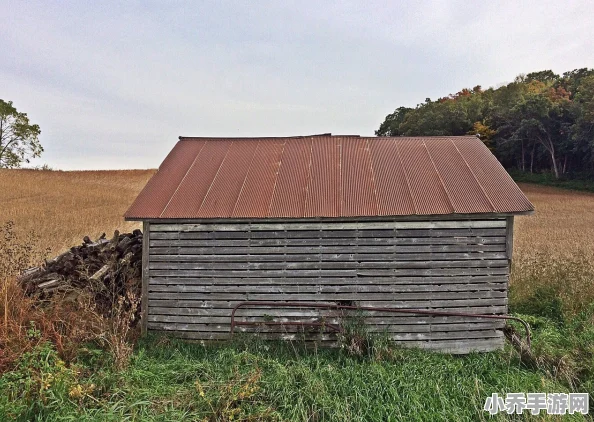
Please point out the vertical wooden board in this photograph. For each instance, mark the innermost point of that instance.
(509, 238)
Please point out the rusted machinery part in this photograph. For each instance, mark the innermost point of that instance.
(279, 305)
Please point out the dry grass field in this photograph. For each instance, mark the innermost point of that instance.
(562, 226)
(62, 207)
(65, 361)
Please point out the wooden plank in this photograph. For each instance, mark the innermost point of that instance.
(356, 262)
(399, 252)
(335, 234)
(495, 243)
(213, 307)
(328, 340)
(407, 323)
(323, 297)
(331, 241)
(145, 278)
(222, 316)
(338, 257)
(337, 281)
(433, 304)
(438, 224)
(344, 265)
(510, 238)
(184, 301)
(321, 289)
(395, 332)
(330, 273)
(352, 247)
(188, 249)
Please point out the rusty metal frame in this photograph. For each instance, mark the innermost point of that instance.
(280, 305)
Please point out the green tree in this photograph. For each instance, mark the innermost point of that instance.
(542, 76)
(540, 122)
(391, 125)
(19, 139)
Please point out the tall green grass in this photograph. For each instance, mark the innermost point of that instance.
(172, 380)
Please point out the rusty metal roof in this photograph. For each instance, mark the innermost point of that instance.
(327, 176)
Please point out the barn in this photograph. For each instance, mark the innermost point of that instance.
(423, 223)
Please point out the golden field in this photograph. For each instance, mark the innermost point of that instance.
(562, 225)
(62, 207)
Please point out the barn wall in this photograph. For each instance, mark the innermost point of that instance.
(197, 273)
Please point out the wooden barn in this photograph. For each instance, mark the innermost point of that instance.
(407, 223)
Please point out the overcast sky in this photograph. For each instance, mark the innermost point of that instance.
(114, 85)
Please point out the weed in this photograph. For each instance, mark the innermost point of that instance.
(41, 384)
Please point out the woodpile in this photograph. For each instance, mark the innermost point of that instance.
(105, 268)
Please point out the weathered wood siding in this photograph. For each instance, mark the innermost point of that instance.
(197, 273)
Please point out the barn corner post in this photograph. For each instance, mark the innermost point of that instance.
(509, 239)
(145, 277)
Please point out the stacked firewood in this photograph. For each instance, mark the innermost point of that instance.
(108, 269)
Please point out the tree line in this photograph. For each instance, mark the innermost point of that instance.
(541, 122)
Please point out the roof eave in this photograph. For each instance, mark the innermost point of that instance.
(451, 216)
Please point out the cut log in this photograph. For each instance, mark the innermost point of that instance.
(99, 274)
(47, 284)
(105, 268)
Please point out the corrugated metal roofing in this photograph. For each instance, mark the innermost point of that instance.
(327, 176)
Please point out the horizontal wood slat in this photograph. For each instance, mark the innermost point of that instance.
(454, 272)
(321, 289)
(330, 234)
(223, 316)
(425, 323)
(399, 252)
(478, 305)
(337, 281)
(321, 258)
(198, 272)
(368, 225)
(324, 265)
(172, 240)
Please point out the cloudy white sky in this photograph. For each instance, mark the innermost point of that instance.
(112, 85)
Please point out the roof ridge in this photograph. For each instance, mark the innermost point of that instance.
(322, 135)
